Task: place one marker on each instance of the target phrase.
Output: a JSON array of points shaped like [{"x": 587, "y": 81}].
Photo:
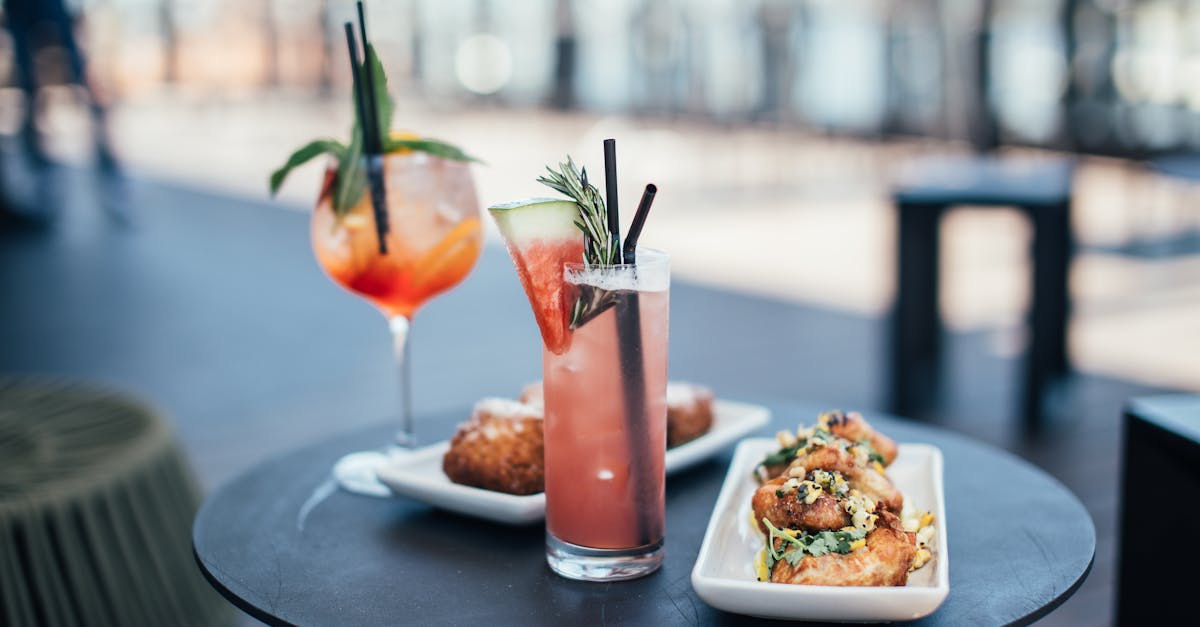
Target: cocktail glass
[
  {"x": 606, "y": 418},
  {"x": 433, "y": 241}
]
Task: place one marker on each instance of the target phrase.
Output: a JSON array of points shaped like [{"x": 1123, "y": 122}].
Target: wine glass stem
[{"x": 405, "y": 438}]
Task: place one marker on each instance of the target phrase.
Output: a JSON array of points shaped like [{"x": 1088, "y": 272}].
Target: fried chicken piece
[
  {"x": 884, "y": 561},
  {"x": 500, "y": 448},
  {"x": 689, "y": 409},
  {"x": 689, "y": 412},
  {"x": 789, "y": 511},
  {"x": 865, "y": 478},
  {"x": 853, "y": 427},
  {"x": 532, "y": 394}
]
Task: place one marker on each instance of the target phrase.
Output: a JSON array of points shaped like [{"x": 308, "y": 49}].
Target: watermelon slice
[{"x": 541, "y": 236}]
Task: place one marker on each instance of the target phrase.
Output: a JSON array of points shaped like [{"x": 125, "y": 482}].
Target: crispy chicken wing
[
  {"x": 852, "y": 426},
  {"x": 884, "y": 561},
  {"x": 789, "y": 511},
  {"x": 864, "y": 478}
]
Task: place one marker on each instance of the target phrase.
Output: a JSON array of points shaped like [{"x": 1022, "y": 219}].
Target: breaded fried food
[
  {"x": 788, "y": 508},
  {"x": 532, "y": 394},
  {"x": 689, "y": 409},
  {"x": 689, "y": 412},
  {"x": 864, "y": 477},
  {"x": 884, "y": 561},
  {"x": 500, "y": 448},
  {"x": 853, "y": 427}
]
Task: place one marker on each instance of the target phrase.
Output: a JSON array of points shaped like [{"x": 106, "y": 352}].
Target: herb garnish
[
  {"x": 795, "y": 548},
  {"x": 351, "y": 179},
  {"x": 599, "y": 247},
  {"x": 872, "y": 454},
  {"x": 788, "y": 453}
]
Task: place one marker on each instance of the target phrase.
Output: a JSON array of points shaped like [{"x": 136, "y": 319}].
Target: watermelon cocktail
[{"x": 604, "y": 330}]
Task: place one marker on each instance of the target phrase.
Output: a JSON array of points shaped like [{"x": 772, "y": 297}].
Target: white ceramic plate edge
[
  {"x": 413, "y": 474},
  {"x": 768, "y": 600},
  {"x": 436, "y": 489}
]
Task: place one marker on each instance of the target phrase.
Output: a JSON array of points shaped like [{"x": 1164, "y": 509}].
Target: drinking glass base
[{"x": 586, "y": 564}]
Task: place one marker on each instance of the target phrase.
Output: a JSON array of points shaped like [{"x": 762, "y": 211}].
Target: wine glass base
[{"x": 355, "y": 472}]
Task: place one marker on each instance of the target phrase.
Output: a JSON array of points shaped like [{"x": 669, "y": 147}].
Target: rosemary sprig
[{"x": 599, "y": 248}]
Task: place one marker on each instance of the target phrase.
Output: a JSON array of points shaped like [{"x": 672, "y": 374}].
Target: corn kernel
[
  {"x": 878, "y": 467},
  {"x": 858, "y": 544},
  {"x": 921, "y": 559},
  {"x": 927, "y": 519},
  {"x": 760, "y": 566}
]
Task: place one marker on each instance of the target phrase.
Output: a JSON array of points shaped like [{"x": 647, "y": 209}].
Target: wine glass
[{"x": 433, "y": 241}]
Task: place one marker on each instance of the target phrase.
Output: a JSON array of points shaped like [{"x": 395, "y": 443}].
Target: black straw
[
  {"x": 365, "y": 102},
  {"x": 360, "y": 99},
  {"x": 610, "y": 192},
  {"x": 371, "y": 141},
  {"x": 629, "y": 253},
  {"x": 629, "y": 348}
]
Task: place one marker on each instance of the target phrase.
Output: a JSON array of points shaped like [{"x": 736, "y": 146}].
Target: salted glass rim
[{"x": 647, "y": 258}]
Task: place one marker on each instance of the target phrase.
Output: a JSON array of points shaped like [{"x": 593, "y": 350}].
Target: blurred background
[{"x": 776, "y": 130}]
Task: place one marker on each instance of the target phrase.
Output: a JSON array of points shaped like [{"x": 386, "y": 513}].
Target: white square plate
[
  {"x": 724, "y": 573},
  {"x": 419, "y": 474}
]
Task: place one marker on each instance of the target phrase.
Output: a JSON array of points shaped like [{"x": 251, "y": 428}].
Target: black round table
[{"x": 1020, "y": 544}]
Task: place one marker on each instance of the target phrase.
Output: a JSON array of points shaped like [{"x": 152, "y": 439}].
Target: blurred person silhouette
[{"x": 33, "y": 25}]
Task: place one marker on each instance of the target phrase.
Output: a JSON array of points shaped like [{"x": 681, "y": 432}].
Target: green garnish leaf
[
  {"x": 351, "y": 175},
  {"x": 351, "y": 179},
  {"x": 794, "y": 549},
  {"x": 303, "y": 155},
  {"x": 431, "y": 146},
  {"x": 599, "y": 247},
  {"x": 781, "y": 456},
  {"x": 872, "y": 454},
  {"x": 384, "y": 105}
]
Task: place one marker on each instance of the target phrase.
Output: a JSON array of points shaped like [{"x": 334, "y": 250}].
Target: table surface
[{"x": 1020, "y": 544}]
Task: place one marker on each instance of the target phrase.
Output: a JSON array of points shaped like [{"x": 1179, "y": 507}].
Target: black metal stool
[{"x": 1039, "y": 189}]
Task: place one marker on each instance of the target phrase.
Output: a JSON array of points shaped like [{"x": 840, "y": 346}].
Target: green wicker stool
[{"x": 96, "y": 507}]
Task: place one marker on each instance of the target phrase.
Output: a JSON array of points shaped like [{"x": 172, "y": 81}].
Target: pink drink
[
  {"x": 604, "y": 469},
  {"x": 606, "y": 422}
]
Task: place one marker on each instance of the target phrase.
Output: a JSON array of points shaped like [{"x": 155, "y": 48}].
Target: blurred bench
[{"x": 1039, "y": 189}]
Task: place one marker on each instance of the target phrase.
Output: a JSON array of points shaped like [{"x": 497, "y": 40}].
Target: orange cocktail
[{"x": 434, "y": 241}]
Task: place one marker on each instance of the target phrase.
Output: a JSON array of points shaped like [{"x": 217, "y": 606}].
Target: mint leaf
[
  {"x": 352, "y": 175},
  {"x": 303, "y": 155},
  {"x": 432, "y": 146},
  {"x": 384, "y": 107}
]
